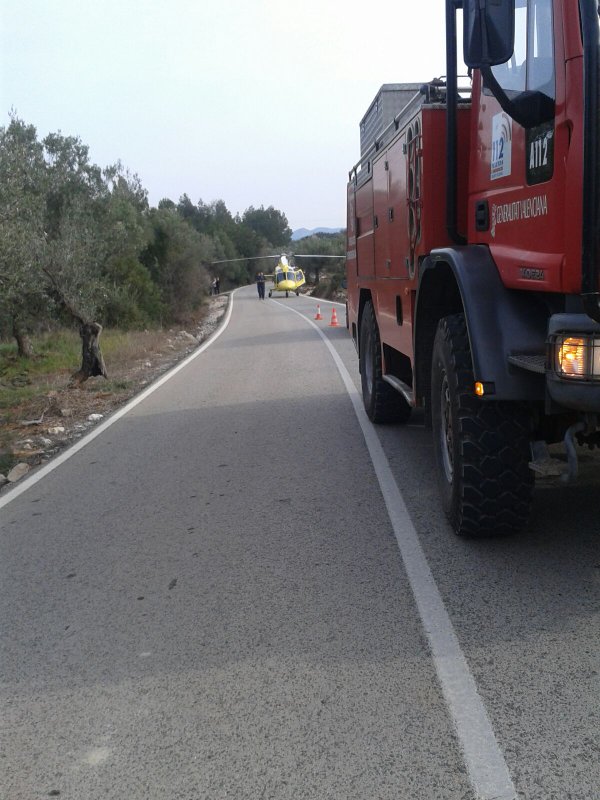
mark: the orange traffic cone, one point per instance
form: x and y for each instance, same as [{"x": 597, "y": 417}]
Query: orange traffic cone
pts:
[
  {"x": 318, "y": 314},
  {"x": 334, "y": 323}
]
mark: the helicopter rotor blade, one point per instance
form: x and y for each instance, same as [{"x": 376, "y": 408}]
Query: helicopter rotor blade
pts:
[
  {"x": 249, "y": 258},
  {"x": 279, "y": 256}
]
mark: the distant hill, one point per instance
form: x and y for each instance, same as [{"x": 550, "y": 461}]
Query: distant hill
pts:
[{"x": 302, "y": 233}]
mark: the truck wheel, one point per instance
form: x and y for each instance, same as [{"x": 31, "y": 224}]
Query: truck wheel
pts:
[
  {"x": 382, "y": 402},
  {"x": 481, "y": 447}
]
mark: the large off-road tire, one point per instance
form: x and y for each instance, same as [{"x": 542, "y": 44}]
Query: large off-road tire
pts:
[
  {"x": 382, "y": 402},
  {"x": 482, "y": 447}
]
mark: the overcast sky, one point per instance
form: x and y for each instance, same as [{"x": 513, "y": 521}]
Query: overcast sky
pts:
[{"x": 254, "y": 102}]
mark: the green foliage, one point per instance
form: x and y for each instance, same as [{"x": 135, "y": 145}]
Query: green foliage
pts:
[
  {"x": 330, "y": 244},
  {"x": 246, "y": 241},
  {"x": 132, "y": 298},
  {"x": 22, "y": 206},
  {"x": 80, "y": 243},
  {"x": 270, "y": 224},
  {"x": 173, "y": 259}
]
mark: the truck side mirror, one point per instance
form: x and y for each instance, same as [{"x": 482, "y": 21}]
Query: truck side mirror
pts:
[{"x": 489, "y": 32}]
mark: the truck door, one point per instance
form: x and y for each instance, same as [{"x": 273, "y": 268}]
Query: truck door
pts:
[
  {"x": 390, "y": 211},
  {"x": 381, "y": 218},
  {"x": 398, "y": 208},
  {"x": 363, "y": 226},
  {"x": 517, "y": 172}
]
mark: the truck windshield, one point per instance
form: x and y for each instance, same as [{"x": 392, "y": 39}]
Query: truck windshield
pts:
[{"x": 531, "y": 66}]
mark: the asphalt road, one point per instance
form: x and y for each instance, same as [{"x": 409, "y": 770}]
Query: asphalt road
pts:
[{"x": 224, "y": 595}]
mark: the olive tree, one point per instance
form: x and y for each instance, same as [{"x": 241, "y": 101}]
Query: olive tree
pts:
[
  {"x": 75, "y": 242},
  {"x": 68, "y": 230},
  {"x": 22, "y": 206}
]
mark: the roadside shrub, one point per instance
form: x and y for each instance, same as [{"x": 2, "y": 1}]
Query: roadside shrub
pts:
[{"x": 132, "y": 298}]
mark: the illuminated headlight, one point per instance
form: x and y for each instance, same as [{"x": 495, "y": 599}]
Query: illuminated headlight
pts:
[{"x": 577, "y": 357}]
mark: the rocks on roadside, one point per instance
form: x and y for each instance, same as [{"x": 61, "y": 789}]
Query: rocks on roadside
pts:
[
  {"x": 17, "y": 472},
  {"x": 30, "y": 447},
  {"x": 33, "y": 443},
  {"x": 188, "y": 337}
]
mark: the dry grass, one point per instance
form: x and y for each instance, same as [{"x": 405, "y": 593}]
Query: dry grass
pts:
[{"x": 36, "y": 397}]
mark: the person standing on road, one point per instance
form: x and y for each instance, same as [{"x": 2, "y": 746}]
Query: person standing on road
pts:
[
  {"x": 260, "y": 285},
  {"x": 217, "y": 285}
]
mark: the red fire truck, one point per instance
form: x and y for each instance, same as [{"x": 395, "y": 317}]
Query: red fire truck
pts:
[{"x": 473, "y": 254}]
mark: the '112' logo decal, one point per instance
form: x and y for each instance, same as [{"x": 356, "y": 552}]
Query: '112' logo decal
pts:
[{"x": 501, "y": 146}]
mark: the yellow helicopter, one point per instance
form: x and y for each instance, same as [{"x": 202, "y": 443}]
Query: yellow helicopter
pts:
[{"x": 286, "y": 277}]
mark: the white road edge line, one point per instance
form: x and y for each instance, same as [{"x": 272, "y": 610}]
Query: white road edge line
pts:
[
  {"x": 485, "y": 763},
  {"x": 318, "y": 300},
  {"x": 26, "y": 483}
]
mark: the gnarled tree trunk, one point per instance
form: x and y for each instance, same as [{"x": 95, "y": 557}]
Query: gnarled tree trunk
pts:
[
  {"x": 92, "y": 362},
  {"x": 24, "y": 346}
]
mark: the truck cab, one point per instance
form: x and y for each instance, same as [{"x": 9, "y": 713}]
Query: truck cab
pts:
[{"x": 472, "y": 257}]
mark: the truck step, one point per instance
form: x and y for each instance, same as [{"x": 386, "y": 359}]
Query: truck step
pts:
[
  {"x": 535, "y": 362},
  {"x": 543, "y": 463},
  {"x": 548, "y": 468}
]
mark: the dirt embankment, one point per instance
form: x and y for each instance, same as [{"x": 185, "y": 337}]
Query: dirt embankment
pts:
[{"x": 35, "y": 431}]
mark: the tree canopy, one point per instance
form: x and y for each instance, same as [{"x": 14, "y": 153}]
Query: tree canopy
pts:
[
  {"x": 81, "y": 243},
  {"x": 323, "y": 244},
  {"x": 268, "y": 223}
]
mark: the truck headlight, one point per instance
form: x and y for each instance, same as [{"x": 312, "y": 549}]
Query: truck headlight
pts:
[{"x": 576, "y": 356}]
